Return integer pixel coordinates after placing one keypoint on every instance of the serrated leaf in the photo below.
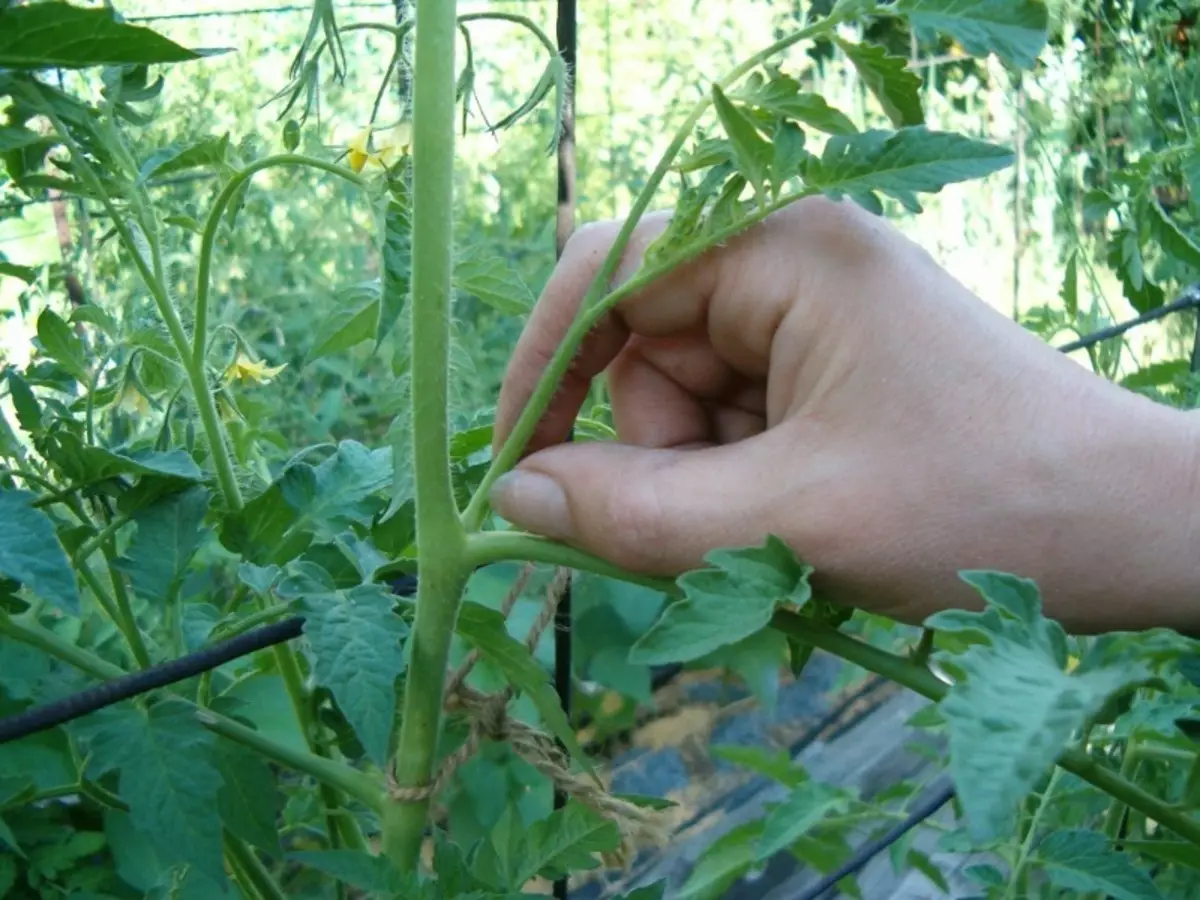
(59, 35)
(1083, 861)
(895, 86)
(565, 842)
(484, 629)
(182, 157)
(30, 552)
(29, 411)
(803, 809)
(731, 600)
(495, 282)
(167, 536)
(788, 153)
(779, 95)
(1171, 238)
(355, 642)
(248, 802)
(84, 465)
(912, 159)
(62, 344)
(164, 759)
(751, 153)
(1015, 30)
(1016, 710)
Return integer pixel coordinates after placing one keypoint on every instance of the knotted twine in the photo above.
(488, 719)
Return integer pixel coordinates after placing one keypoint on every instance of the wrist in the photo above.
(1123, 551)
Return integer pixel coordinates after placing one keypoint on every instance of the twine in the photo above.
(489, 720)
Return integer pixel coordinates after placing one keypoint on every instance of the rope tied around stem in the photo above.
(488, 719)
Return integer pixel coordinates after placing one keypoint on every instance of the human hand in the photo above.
(821, 378)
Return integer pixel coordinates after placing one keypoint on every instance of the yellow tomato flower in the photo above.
(249, 371)
(131, 400)
(397, 143)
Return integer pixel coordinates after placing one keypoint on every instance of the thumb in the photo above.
(647, 510)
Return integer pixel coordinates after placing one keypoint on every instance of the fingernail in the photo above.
(535, 502)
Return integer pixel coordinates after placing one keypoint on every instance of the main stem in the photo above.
(441, 543)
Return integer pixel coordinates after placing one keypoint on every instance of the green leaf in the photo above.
(564, 842)
(182, 157)
(722, 863)
(396, 254)
(355, 641)
(291, 135)
(778, 767)
(29, 411)
(751, 153)
(86, 465)
(12, 138)
(1015, 30)
(58, 35)
(167, 776)
(900, 162)
(779, 95)
(1070, 286)
(373, 874)
(30, 552)
(1083, 861)
(168, 533)
(248, 802)
(895, 86)
(1179, 853)
(484, 629)
(495, 282)
(347, 325)
(788, 153)
(807, 805)
(1017, 708)
(62, 344)
(731, 600)
(27, 274)
(1169, 236)
(757, 660)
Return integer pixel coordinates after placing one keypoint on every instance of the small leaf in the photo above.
(29, 411)
(565, 841)
(355, 641)
(888, 77)
(731, 600)
(182, 157)
(722, 863)
(291, 135)
(908, 160)
(779, 95)
(778, 767)
(788, 153)
(62, 344)
(59, 35)
(485, 630)
(30, 552)
(751, 152)
(1083, 861)
(807, 805)
(396, 253)
(12, 138)
(1070, 286)
(1171, 238)
(495, 282)
(1015, 30)
(164, 758)
(346, 326)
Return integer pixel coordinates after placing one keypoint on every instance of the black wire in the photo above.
(50, 715)
(1188, 298)
(938, 796)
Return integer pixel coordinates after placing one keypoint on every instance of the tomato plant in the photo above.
(294, 718)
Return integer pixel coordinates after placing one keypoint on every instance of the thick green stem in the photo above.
(440, 538)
